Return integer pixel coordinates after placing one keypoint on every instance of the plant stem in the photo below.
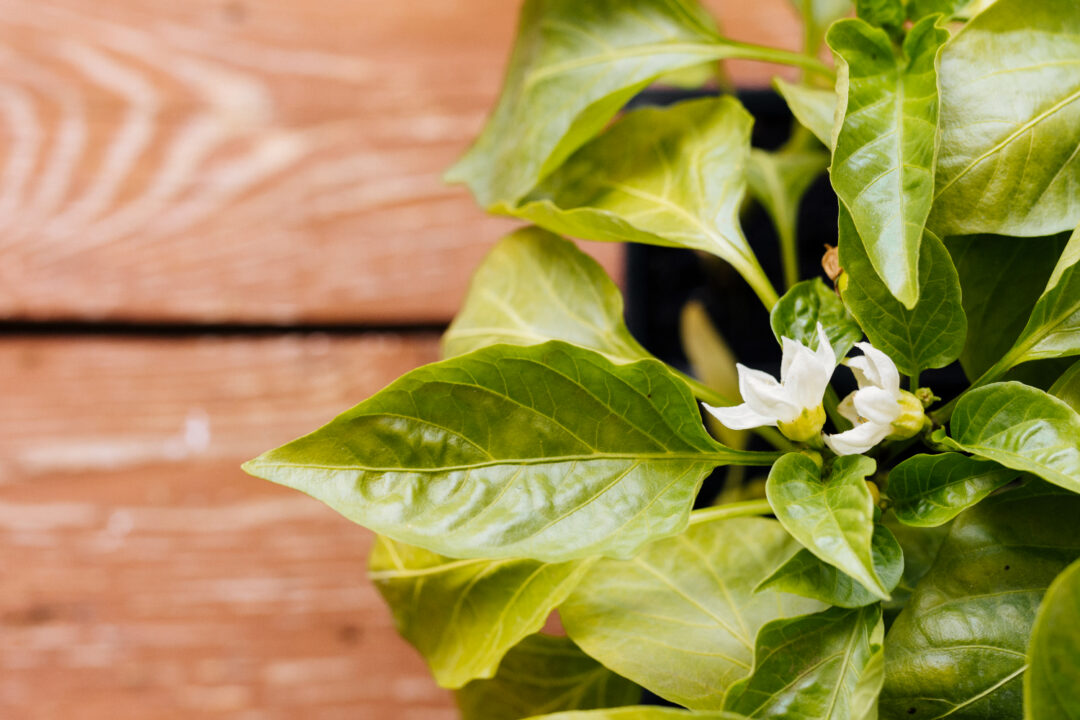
(831, 401)
(746, 508)
(762, 287)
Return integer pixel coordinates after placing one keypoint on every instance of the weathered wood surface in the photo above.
(242, 161)
(144, 576)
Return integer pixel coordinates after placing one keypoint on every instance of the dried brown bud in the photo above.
(830, 262)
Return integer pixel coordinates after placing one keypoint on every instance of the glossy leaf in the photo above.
(805, 305)
(1050, 688)
(887, 14)
(883, 162)
(805, 574)
(671, 176)
(814, 108)
(930, 490)
(809, 666)
(959, 648)
(474, 456)
(573, 68)
(1010, 122)
(641, 713)
(685, 603)
(1001, 278)
(534, 287)
(544, 674)
(1021, 428)
(920, 546)
(1067, 387)
(930, 335)
(832, 517)
(1053, 330)
(448, 608)
(864, 701)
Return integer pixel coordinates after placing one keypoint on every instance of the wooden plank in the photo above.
(145, 576)
(270, 162)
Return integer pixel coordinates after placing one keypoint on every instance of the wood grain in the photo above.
(255, 162)
(145, 576)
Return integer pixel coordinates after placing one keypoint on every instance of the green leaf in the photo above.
(930, 490)
(450, 609)
(1053, 330)
(864, 701)
(817, 16)
(1022, 428)
(930, 335)
(809, 666)
(1067, 387)
(1001, 278)
(544, 674)
(805, 305)
(959, 648)
(572, 69)
(815, 109)
(804, 574)
(550, 452)
(641, 713)
(1050, 688)
(778, 180)
(534, 287)
(918, 9)
(883, 163)
(920, 546)
(1010, 122)
(832, 517)
(887, 14)
(680, 617)
(671, 176)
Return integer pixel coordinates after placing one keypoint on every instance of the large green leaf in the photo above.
(959, 648)
(1050, 688)
(930, 490)
(641, 713)
(670, 176)
(833, 517)
(548, 451)
(534, 287)
(778, 180)
(814, 108)
(1022, 428)
(920, 546)
(544, 674)
(883, 162)
(809, 666)
(1001, 278)
(463, 615)
(887, 14)
(573, 67)
(807, 575)
(1067, 387)
(680, 617)
(805, 305)
(930, 335)
(1054, 327)
(1010, 122)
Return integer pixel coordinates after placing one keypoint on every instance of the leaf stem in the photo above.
(746, 508)
(762, 53)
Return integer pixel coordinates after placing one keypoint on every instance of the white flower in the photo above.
(794, 403)
(879, 409)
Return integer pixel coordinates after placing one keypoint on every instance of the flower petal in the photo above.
(876, 405)
(739, 417)
(846, 408)
(764, 394)
(857, 440)
(875, 368)
(825, 353)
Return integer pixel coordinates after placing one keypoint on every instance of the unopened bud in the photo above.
(926, 396)
(806, 427)
(911, 420)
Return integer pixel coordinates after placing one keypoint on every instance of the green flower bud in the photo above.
(806, 427)
(912, 418)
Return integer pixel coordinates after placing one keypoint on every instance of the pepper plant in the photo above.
(906, 556)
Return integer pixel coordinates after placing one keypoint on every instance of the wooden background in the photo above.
(169, 170)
